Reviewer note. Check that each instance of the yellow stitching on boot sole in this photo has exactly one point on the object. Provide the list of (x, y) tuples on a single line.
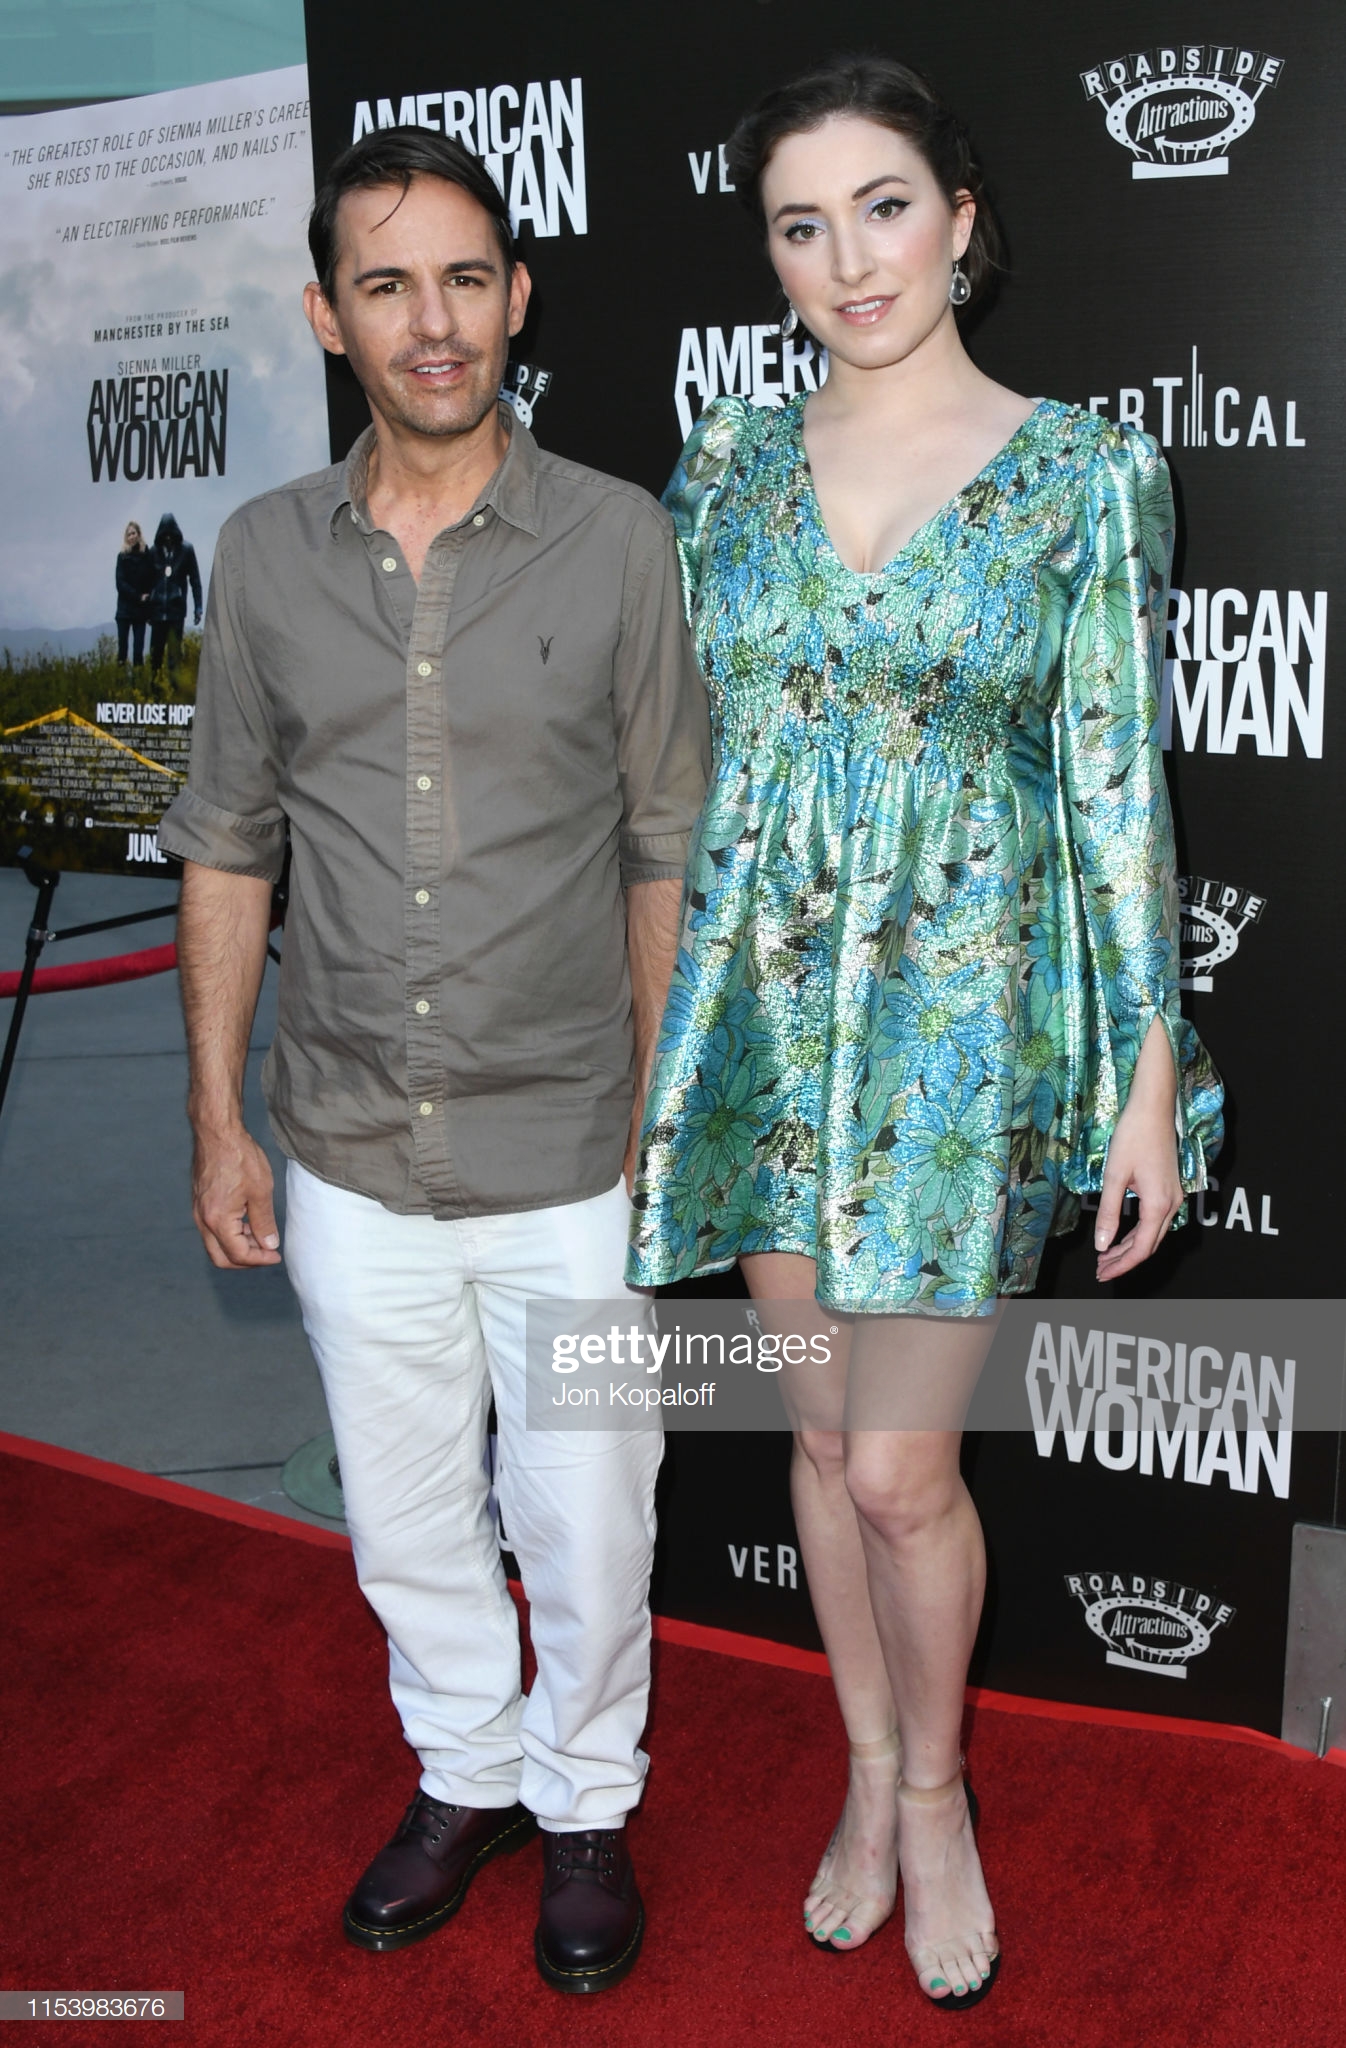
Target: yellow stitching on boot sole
[(486, 1850), (598, 1969)]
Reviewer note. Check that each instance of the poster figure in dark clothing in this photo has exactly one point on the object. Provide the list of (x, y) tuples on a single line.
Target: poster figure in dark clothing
[(174, 568), (136, 577)]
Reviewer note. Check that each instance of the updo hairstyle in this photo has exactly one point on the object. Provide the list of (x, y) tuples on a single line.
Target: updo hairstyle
[(892, 95)]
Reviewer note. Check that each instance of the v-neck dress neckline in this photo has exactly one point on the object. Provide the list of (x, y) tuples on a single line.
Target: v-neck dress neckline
[(936, 518)]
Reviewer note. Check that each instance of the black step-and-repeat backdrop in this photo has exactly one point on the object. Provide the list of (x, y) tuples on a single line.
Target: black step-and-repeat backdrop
[(1173, 263)]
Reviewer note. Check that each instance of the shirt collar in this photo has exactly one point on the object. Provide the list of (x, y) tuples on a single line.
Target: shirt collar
[(511, 492)]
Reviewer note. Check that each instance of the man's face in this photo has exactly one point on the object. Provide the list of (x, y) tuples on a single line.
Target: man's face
[(423, 305)]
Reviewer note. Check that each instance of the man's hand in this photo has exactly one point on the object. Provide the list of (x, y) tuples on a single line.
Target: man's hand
[(222, 927), (1142, 1158), (232, 1203)]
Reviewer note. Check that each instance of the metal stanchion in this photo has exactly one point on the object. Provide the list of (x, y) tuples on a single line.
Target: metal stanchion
[(45, 880), (312, 1478)]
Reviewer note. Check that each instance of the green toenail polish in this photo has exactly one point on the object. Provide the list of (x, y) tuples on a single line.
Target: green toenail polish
[(842, 1934), (938, 1984), (807, 1921)]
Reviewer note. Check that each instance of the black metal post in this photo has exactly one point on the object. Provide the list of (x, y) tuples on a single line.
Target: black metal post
[(45, 881)]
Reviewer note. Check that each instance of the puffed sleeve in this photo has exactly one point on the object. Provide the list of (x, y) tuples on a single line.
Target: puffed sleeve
[(1114, 823), (696, 488)]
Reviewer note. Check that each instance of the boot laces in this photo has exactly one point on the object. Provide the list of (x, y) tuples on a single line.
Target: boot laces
[(590, 1853), (425, 1817)]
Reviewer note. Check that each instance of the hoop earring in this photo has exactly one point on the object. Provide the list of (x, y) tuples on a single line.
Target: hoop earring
[(790, 324), (960, 288)]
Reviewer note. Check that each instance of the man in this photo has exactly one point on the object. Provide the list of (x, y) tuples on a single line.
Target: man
[(173, 567), (456, 669)]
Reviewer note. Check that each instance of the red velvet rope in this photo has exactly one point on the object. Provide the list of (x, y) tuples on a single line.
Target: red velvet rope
[(96, 973), (100, 973)]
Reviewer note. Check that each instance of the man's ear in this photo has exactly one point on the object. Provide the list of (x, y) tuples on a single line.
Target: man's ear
[(520, 291), (323, 320)]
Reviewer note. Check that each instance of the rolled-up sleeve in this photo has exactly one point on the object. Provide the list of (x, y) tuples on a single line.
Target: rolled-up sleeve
[(660, 710), (229, 816)]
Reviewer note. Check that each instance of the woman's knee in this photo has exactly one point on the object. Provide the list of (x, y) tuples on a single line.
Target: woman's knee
[(824, 1450), (898, 1494)]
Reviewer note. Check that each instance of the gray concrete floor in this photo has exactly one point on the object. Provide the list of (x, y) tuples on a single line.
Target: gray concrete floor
[(118, 1337)]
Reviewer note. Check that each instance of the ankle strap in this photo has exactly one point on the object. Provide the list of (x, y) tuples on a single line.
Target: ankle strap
[(883, 1745), (924, 1795)]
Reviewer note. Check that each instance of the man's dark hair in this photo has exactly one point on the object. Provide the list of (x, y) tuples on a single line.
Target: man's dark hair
[(394, 156), (891, 94)]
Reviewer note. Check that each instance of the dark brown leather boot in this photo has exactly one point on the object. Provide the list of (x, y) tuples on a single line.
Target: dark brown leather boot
[(421, 1878), (590, 1927)]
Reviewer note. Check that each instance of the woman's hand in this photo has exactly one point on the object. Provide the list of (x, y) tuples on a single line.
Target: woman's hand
[(1143, 1159)]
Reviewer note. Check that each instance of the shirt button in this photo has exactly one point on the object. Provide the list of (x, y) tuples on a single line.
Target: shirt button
[(422, 1008), (479, 519), (427, 1109), (422, 895), (424, 782), (425, 668), (390, 563)]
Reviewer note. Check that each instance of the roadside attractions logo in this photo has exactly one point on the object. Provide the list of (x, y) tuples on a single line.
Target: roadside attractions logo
[(525, 385), (1179, 107), (1215, 916), (1152, 1625)]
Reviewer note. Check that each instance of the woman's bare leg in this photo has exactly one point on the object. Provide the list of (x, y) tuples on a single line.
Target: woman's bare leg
[(896, 1566), (856, 1882), (925, 1564)]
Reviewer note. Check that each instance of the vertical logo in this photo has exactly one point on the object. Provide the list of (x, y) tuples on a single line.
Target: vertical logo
[(1179, 107)]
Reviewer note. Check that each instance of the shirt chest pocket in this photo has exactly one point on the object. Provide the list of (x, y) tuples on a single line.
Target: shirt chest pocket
[(532, 677)]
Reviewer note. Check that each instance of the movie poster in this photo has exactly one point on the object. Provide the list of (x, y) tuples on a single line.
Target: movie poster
[(155, 372)]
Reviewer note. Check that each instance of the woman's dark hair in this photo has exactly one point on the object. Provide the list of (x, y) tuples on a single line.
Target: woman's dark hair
[(881, 90), (394, 156)]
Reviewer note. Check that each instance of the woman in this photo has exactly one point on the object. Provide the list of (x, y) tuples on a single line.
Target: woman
[(135, 580), (927, 991)]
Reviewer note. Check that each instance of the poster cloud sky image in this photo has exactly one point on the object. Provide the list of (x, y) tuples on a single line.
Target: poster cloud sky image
[(156, 371), (153, 357)]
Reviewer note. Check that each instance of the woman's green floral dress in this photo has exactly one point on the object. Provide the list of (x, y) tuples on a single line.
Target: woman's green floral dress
[(930, 910)]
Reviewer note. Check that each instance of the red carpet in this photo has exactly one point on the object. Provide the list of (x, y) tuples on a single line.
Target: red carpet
[(200, 1755)]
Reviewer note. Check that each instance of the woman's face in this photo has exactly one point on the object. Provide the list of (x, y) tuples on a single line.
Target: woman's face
[(133, 537), (862, 238)]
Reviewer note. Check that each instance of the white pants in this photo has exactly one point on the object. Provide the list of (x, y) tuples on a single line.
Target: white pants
[(415, 1324)]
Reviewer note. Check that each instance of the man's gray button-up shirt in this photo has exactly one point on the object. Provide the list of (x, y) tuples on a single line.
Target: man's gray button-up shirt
[(469, 770)]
